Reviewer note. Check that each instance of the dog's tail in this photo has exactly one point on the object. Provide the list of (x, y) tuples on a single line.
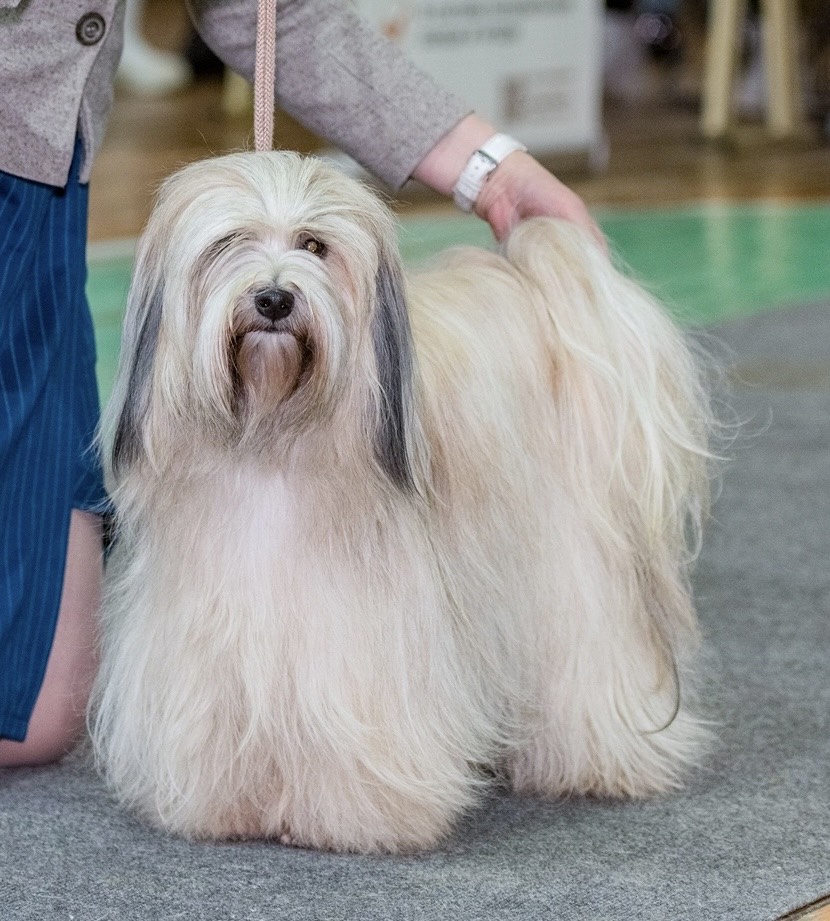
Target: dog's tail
[(633, 418)]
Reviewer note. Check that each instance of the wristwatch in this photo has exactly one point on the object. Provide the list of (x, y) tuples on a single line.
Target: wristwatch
[(479, 166)]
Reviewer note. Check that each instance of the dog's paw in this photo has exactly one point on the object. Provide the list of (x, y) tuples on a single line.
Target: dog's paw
[(289, 839)]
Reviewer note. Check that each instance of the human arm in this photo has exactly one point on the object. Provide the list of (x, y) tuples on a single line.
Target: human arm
[(519, 187), (352, 86), (340, 79)]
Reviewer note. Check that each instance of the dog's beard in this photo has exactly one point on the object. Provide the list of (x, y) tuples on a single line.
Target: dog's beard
[(268, 367)]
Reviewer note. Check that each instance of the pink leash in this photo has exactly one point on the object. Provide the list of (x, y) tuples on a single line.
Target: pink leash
[(264, 74)]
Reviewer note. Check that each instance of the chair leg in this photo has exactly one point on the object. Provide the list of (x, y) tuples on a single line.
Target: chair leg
[(723, 33), (779, 35)]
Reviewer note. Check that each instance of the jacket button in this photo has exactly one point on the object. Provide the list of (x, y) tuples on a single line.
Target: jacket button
[(90, 29)]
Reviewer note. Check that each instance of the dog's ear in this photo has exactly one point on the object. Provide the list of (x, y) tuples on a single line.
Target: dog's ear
[(395, 436), (131, 399)]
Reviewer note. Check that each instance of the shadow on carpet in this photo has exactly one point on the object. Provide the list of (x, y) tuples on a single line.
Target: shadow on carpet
[(747, 840)]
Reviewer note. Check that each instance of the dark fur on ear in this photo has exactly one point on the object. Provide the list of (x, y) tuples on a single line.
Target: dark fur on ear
[(139, 343), (392, 337)]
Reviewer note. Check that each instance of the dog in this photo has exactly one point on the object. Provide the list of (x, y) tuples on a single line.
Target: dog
[(385, 540)]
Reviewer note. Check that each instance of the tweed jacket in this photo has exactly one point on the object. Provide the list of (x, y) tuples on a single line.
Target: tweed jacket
[(58, 60)]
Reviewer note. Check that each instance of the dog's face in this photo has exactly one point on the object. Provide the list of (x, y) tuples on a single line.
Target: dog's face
[(267, 296)]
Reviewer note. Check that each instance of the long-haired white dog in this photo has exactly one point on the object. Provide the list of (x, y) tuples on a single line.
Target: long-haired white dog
[(380, 538)]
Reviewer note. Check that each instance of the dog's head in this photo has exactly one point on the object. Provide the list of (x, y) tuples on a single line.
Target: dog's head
[(267, 298)]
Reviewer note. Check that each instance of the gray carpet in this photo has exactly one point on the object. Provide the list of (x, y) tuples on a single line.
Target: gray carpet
[(749, 838)]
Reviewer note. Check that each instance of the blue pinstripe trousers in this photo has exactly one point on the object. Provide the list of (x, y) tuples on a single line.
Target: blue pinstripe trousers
[(48, 413)]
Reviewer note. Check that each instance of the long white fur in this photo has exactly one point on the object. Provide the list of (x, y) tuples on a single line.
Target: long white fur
[(358, 561)]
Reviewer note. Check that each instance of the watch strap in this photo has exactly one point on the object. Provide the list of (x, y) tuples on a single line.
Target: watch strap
[(479, 166)]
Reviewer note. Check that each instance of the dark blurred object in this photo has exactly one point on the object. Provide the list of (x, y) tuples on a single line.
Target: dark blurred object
[(203, 61), (660, 33), (656, 25), (647, 49), (817, 57)]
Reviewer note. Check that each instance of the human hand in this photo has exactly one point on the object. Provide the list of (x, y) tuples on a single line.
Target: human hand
[(520, 187)]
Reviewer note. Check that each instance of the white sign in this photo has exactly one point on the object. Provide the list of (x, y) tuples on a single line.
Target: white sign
[(532, 67)]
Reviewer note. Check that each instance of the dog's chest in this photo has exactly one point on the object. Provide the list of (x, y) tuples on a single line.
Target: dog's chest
[(230, 535), (262, 548)]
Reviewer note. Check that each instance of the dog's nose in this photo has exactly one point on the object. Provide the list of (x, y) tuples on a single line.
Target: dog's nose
[(275, 303)]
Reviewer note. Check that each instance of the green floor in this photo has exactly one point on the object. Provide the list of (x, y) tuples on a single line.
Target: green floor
[(707, 262)]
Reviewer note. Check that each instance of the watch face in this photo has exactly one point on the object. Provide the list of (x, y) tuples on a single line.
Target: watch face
[(479, 166)]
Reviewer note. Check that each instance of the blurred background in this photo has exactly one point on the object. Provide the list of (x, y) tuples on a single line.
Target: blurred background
[(698, 132), (652, 74)]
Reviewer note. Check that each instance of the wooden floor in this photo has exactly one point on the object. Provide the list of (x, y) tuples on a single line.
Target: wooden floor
[(817, 911), (656, 156)]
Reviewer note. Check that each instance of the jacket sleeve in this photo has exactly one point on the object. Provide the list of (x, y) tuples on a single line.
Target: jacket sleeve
[(339, 79)]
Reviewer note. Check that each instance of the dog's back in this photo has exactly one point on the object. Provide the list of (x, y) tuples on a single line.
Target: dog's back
[(569, 426)]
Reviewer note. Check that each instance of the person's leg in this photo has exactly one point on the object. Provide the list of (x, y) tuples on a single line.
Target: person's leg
[(58, 717), (50, 555)]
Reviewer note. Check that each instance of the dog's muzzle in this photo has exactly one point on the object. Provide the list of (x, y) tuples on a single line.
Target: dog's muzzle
[(274, 303)]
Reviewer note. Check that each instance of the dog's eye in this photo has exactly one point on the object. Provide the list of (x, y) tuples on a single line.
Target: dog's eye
[(312, 245)]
